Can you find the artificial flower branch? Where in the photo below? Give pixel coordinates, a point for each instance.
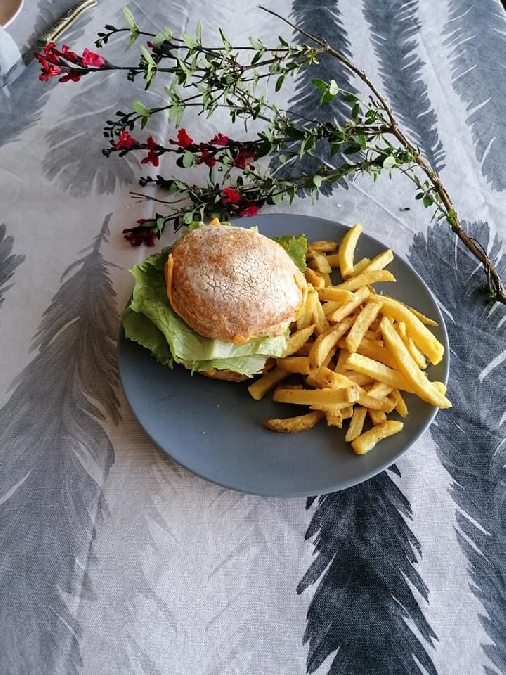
(370, 140)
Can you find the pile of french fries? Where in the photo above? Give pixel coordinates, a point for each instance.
(356, 352)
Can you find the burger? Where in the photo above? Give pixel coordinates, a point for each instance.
(220, 301)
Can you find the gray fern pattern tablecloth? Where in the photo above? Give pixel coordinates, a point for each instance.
(115, 560)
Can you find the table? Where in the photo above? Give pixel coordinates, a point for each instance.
(116, 560)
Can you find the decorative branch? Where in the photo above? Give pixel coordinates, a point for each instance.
(225, 76)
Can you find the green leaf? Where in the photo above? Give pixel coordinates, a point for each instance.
(129, 18)
(188, 159)
(141, 109)
(296, 247)
(133, 38)
(389, 162)
(355, 111)
(319, 84)
(427, 201)
(256, 43)
(198, 31)
(279, 82)
(189, 41)
(147, 56)
(188, 217)
(317, 181)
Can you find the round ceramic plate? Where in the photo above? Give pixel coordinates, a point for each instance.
(215, 428)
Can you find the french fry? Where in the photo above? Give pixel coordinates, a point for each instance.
(356, 424)
(294, 364)
(319, 319)
(417, 355)
(347, 250)
(360, 266)
(379, 389)
(294, 425)
(266, 382)
(366, 441)
(325, 246)
(324, 377)
(380, 261)
(318, 262)
(333, 294)
(400, 404)
(298, 339)
(377, 416)
(378, 371)
(349, 307)
(384, 404)
(364, 319)
(376, 351)
(365, 278)
(334, 418)
(306, 316)
(420, 334)
(314, 278)
(311, 397)
(424, 319)
(406, 365)
(326, 341)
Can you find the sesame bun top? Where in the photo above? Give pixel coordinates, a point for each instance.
(234, 284)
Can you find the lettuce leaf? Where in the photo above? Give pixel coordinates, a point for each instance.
(296, 247)
(151, 321)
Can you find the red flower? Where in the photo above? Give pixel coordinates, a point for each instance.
(219, 139)
(206, 158)
(152, 156)
(150, 44)
(140, 234)
(183, 139)
(242, 157)
(51, 53)
(90, 59)
(231, 196)
(125, 141)
(249, 211)
(71, 75)
(70, 56)
(48, 70)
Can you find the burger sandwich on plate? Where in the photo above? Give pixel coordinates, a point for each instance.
(220, 301)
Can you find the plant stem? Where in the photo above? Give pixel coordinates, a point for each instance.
(496, 285)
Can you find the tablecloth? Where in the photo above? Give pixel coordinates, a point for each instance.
(113, 558)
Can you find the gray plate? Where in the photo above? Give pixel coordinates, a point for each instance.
(215, 429)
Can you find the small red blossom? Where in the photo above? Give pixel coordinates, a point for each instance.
(140, 234)
(183, 140)
(231, 196)
(150, 44)
(51, 54)
(91, 59)
(242, 157)
(206, 158)
(48, 70)
(152, 156)
(71, 75)
(219, 139)
(124, 141)
(70, 56)
(249, 211)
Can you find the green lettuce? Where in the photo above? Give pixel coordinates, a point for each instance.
(150, 321)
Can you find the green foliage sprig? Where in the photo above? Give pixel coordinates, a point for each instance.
(232, 78)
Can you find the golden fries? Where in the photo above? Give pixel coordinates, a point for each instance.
(353, 351)
(368, 439)
(294, 425)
